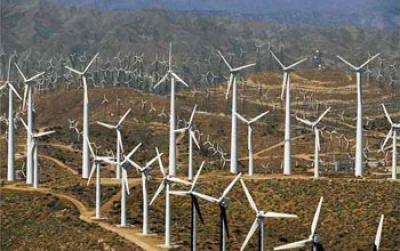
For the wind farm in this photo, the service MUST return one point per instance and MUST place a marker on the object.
(270, 148)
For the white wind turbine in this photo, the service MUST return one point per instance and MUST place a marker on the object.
(195, 207)
(287, 169)
(172, 137)
(313, 237)
(11, 125)
(145, 172)
(392, 133)
(223, 203)
(85, 132)
(119, 146)
(378, 237)
(33, 150)
(28, 95)
(192, 138)
(250, 124)
(359, 134)
(97, 161)
(124, 183)
(259, 221)
(317, 145)
(233, 84)
(166, 184)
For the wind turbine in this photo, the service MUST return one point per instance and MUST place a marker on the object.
(317, 146)
(97, 160)
(378, 236)
(287, 169)
(192, 138)
(85, 132)
(195, 208)
(250, 124)
(223, 203)
(392, 133)
(11, 125)
(28, 95)
(172, 137)
(233, 83)
(165, 184)
(119, 146)
(124, 183)
(259, 221)
(313, 238)
(33, 150)
(145, 172)
(359, 134)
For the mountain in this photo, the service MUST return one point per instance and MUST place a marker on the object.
(45, 30)
(382, 14)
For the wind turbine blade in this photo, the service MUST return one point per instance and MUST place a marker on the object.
(14, 90)
(196, 142)
(181, 130)
(379, 233)
(369, 61)
(249, 197)
(26, 127)
(180, 181)
(119, 138)
(25, 96)
(192, 115)
(162, 80)
(35, 77)
(124, 117)
(237, 69)
(259, 117)
(105, 125)
(316, 217)
(73, 70)
(241, 118)
(152, 161)
(250, 234)
(228, 89)
(322, 115)
(347, 62)
(160, 162)
(198, 211)
(387, 114)
(298, 244)
(317, 139)
(387, 139)
(225, 61)
(133, 151)
(304, 121)
(297, 63)
(91, 172)
(230, 186)
(284, 84)
(90, 63)
(90, 147)
(179, 79)
(225, 220)
(277, 59)
(179, 193)
(159, 190)
(279, 215)
(196, 177)
(42, 134)
(21, 73)
(3, 86)
(205, 197)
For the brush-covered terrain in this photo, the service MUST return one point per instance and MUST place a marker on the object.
(351, 208)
